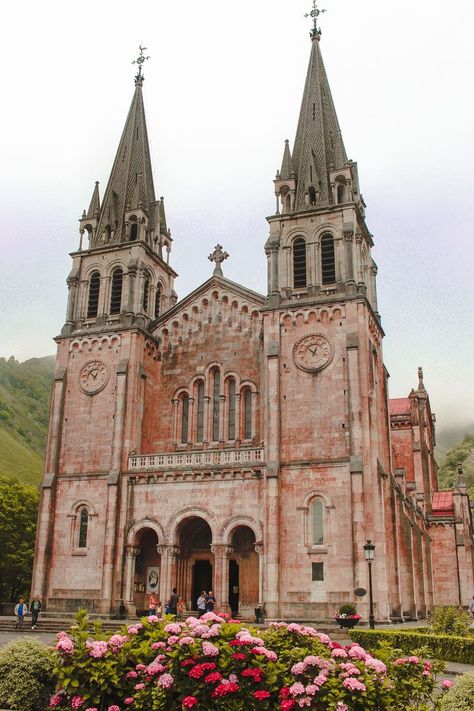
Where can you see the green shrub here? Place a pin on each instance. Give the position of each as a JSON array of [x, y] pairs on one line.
[[461, 696], [347, 609], [26, 675], [448, 647], [450, 620]]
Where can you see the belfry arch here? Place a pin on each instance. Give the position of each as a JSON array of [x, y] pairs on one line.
[[195, 570], [142, 567]]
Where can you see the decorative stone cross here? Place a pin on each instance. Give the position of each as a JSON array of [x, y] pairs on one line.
[[218, 257]]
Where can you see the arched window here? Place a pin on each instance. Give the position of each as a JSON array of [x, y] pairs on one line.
[[299, 263], [184, 419], [288, 203], [248, 414], [94, 289], [116, 292], [341, 193], [83, 524], [312, 195], [215, 405], [231, 420], [318, 522], [200, 412], [133, 231], [157, 301], [146, 291], [328, 261]]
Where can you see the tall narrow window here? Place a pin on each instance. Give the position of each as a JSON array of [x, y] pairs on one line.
[[248, 414], [200, 413], [231, 428], [341, 194], [94, 289], [83, 524], [116, 293], [299, 263], [215, 405], [328, 261], [146, 291], [318, 522], [133, 231], [157, 301], [184, 419]]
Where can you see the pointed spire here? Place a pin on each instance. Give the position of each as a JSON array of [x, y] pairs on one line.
[[319, 147], [132, 168], [94, 207], [286, 164]]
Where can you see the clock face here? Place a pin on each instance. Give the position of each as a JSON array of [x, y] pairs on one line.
[[93, 377], [312, 352]]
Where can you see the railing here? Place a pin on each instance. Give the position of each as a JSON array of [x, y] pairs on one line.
[[200, 459]]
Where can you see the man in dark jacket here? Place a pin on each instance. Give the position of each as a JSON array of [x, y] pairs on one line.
[[173, 602], [35, 609]]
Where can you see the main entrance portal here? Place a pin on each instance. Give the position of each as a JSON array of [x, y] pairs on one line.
[[195, 566]]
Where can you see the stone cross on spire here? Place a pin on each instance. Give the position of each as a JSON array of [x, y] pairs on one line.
[[140, 61], [315, 13], [218, 256]]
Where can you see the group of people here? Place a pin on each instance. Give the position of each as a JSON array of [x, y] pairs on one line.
[[176, 606], [21, 610]]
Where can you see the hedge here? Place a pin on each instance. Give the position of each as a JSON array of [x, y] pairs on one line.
[[439, 646]]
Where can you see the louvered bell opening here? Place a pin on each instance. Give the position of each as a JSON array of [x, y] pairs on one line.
[[328, 262], [299, 263], [94, 289], [116, 294]]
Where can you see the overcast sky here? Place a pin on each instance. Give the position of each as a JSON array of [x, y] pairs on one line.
[[222, 92]]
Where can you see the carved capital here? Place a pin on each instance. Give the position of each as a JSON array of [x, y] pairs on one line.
[[168, 551], [72, 281], [222, 549], [259, 547], [132, 551]]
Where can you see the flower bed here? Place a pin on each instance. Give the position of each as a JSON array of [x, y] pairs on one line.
[[217, 663], [441, 646]]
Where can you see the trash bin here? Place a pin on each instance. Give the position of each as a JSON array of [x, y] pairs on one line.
[[258, 615]]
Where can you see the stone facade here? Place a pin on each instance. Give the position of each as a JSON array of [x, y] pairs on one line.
[[232, 441]]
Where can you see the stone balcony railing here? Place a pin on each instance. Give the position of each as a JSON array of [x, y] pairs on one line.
[[199, 459]]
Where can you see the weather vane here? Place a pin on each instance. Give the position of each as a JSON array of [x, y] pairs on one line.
[[140, 60], [315, 13]]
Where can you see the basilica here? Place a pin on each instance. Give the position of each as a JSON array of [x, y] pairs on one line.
[[237, 441]]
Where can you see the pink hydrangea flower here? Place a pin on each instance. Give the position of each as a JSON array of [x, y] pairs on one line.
[[61, 634], [158, 645], [77, 701], [324, 638], [353, 684], [339, 653], [117, 641], [342, 707], [55, 700], [92, 708], [165, 681], [173, 628], [139, 687], [185, 640], [172, 639], [357, 652], [293, 627], [129, 700], [304, 701], [209, 649], [133, 629], [153, 618], [97, 649], [312, 689], [296, 689], [298, 668], [131, 675], [65, 645], [414, 660], [189, 702], [114, 707], [319, 680], [377, 665], [446, 684]]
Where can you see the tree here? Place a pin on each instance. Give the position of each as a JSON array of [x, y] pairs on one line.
[[18, 511], [461, 454]]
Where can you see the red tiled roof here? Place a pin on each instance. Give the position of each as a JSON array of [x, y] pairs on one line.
[[399, 406], [442, 503]]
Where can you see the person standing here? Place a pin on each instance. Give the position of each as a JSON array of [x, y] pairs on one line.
[[211, 602], [201, 603], [35, 607], [152, 603], [180, 608], [20, 611], [173, 602], [471, 607]]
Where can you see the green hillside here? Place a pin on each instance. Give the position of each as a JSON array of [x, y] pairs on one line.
[[24, 408]]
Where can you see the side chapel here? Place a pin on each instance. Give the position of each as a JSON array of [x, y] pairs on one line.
[[235, 441]]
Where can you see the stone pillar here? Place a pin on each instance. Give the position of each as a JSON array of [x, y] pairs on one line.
[[191, 420], [272, 489], [222, 436], [130, 557], [221, 575], [169, 554], [207, 425], [72, 283], [261, 568], [175, 420], [132, 275]]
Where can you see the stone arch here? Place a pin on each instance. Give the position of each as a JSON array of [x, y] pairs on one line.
[[142, 524], [188, 512], [243, 520]]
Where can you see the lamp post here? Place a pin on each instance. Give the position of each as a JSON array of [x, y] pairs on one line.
[[369, 552]]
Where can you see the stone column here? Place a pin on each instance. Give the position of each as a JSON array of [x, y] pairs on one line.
[[191, 416], [261, 568], [132, 275], [168, 581], [222, 435], [130, 557], [221, 575], [175, 421], [238, 433], [207, 426], [72, 283]]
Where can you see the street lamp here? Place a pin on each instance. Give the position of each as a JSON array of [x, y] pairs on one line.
[[369, 552]]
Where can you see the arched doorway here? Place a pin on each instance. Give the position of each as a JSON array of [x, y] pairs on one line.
[[195, 570], [243, 572], [147, 569]]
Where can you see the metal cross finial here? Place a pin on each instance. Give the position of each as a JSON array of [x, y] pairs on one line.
[[218, 256], [315, 13], [140, 60]]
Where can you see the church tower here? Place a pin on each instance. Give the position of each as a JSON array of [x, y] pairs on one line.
[[327, 432], [120, 282]]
